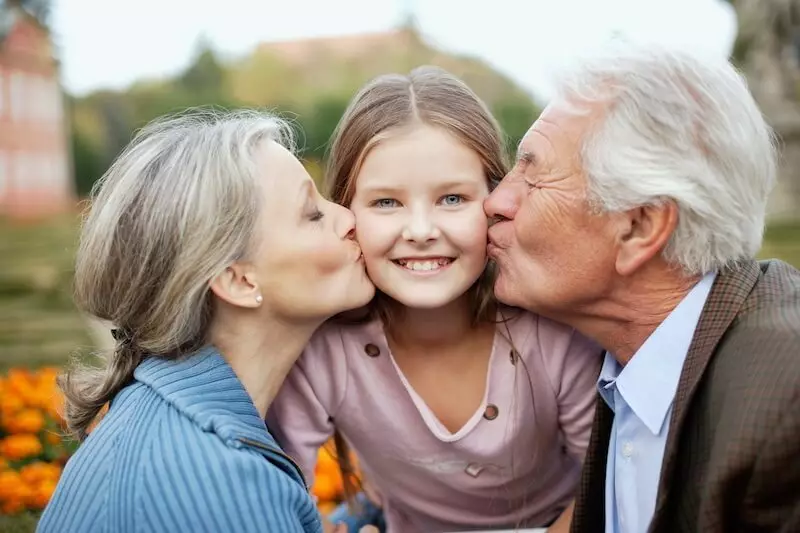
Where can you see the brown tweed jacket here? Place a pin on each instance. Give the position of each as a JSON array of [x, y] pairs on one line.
[[732, 457]]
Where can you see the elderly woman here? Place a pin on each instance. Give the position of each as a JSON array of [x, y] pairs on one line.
[[210, 249]]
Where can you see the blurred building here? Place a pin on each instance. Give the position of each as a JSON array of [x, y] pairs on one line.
[[35, 166]]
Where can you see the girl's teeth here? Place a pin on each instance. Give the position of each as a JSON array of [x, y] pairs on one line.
[[424, 265], [428, 265]]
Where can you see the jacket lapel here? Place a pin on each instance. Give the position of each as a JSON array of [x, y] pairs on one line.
[[590, 506], [731, 289]]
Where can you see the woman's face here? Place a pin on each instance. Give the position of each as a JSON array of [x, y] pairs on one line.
[[309, 266]]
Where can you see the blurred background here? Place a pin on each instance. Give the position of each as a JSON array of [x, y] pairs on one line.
[[78, 77]]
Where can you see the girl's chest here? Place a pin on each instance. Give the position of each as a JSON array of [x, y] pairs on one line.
[[389, 417]]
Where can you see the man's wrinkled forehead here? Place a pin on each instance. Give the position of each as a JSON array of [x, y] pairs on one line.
[[566, 117], [525, 152]]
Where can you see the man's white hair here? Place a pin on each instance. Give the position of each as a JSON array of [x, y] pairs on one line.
[[677, 126]]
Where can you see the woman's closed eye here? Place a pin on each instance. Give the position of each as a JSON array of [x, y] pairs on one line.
[[385, 203], [451, 199], [316, 215]]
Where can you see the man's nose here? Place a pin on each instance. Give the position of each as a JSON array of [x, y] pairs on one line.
[[502, 203]]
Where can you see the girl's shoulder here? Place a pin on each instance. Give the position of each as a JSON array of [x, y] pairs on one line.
[[337, 340], [554, 343]]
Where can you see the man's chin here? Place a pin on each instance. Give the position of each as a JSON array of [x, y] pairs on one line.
[[504, 293]]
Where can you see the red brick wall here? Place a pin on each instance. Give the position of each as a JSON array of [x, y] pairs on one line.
[[35, 167]]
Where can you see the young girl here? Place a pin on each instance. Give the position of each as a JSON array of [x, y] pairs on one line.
[[462, 413]]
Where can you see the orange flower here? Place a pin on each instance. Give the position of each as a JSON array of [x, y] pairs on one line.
[[14, 493], [325, 488], [327, 507], [25, 421], [39, 472], [20, 446], [53, 438], [10, 507], [47, 377], [3, 464], [42, 493], [328, 480], [55, 408], [21, 382], [10, 483], [10, 403]]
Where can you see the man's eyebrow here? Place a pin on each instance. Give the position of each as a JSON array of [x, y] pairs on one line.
[[525, 156]]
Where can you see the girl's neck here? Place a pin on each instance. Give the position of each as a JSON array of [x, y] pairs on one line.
[[429, 328]]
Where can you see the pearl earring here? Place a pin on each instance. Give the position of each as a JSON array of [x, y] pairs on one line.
[[259, 299]]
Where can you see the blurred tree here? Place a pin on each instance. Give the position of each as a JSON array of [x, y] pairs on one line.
[[263, 79], [40, 9], [205, 74], [318, 125], [87, 162], [515, 117], [309, 82]]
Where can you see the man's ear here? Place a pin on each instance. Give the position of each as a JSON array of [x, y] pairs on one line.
[[237, 285], [644, 233]]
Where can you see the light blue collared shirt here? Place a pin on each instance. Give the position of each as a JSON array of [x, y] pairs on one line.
[[641, 394]]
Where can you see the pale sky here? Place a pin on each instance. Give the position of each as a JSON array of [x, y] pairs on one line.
[[111, 43]]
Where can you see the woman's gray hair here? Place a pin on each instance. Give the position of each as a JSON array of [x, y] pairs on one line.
[[177, 206], [681, 127]]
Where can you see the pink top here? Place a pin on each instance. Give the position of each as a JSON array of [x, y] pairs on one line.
[[518, 468]]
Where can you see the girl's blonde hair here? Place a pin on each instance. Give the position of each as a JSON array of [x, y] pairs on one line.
[[178, 205], [428, 95]]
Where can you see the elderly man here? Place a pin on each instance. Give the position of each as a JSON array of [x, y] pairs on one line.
[[634, 213]]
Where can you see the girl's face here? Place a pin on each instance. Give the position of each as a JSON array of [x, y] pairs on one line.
[[419, 214]]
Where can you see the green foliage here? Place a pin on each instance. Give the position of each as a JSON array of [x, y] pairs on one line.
[[311, 85], [87, 162], [22, 523], [39, 324], [205, 75], [515, 117], [318, 125]]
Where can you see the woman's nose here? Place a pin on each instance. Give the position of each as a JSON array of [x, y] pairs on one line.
[[346, 222]]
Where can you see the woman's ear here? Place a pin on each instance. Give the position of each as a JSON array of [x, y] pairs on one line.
[[237, 285]]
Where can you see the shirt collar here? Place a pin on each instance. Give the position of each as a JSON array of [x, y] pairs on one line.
[[649, 381], [205, 388]]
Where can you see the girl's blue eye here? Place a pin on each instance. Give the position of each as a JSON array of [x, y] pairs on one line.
[[452, 199], [385, 203]]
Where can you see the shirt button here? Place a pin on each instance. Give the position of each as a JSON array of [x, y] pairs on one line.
[[491, 412], [627, 449], [372, 350], [473, 469]]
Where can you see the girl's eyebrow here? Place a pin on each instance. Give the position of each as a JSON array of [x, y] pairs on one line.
[[455, 184], [384, 190], [380, 189]]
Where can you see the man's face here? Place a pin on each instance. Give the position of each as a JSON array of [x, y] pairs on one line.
[[554, 255]]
